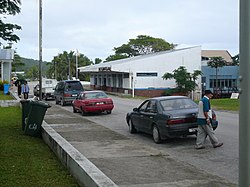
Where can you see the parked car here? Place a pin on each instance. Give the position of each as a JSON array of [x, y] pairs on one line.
[[93, 101], [166, 117], [67, 91], [48, 87]]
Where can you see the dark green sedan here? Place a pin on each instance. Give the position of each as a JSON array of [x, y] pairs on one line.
[[166, 117]]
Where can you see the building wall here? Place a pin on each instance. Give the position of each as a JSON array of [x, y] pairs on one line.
[[161, 64], [6, 58]]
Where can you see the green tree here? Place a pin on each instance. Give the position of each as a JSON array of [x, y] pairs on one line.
[[141, 45], [185, 81], [17, 62], [9, 7], [32, 73], [98, 60], [216, 62], [64, 64]]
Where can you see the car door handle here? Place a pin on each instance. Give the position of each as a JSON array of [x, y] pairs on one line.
[[151, 117]]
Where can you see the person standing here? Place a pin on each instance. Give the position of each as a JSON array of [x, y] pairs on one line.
[[204, 123], [25, 90], [19, 87]]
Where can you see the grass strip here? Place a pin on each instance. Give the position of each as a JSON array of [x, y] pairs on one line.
[[5, 97], [226, 104], [25, 160]]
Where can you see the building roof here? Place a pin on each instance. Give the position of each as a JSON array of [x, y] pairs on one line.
[[95, 67], [217, 53]]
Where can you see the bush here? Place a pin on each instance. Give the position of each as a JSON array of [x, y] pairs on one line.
[[173, 91], [2, 83]]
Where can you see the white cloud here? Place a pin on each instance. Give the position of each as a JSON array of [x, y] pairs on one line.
[[95, 27]]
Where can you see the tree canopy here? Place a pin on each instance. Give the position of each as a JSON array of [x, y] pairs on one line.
[[185, 81], [143, 44], [9, 7], [64, 64]]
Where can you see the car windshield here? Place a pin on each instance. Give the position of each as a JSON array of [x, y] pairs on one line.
[[74, 86], [95, 95], [175, 104]]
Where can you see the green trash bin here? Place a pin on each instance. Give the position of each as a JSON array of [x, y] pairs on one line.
[[35, 118], [25, 111]]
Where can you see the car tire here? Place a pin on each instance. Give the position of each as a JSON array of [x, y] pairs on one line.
[[74, 109], [131, 127], [56, 101], [62, 102], [156, 134], [108, 111], [82, 112]]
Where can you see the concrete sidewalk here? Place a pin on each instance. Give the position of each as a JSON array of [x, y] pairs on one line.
[[98, 156]]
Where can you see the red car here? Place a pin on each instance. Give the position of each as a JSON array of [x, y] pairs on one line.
[[92, 102]]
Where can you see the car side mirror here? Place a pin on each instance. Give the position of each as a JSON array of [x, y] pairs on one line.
[[135, 109]]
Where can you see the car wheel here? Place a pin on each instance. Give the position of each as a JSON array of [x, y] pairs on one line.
[[82, 112], [156, 134], [62, 102], [131, 127], [56, 101], [74, 109], [108, 111]]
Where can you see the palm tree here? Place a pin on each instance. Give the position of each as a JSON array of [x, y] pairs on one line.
[[65, 64], [216, 62]]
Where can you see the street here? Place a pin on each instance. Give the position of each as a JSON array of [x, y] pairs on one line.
[[222, 161]]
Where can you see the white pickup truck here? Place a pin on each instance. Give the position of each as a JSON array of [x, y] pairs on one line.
[[48, 86]]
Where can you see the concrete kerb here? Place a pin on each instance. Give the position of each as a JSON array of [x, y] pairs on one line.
[[14, 102], [84, 171]]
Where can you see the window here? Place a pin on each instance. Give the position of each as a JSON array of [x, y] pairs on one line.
[[221, 83], [151, 107], [147, 74]]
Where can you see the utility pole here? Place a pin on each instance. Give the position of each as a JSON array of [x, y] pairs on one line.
[[77, 54], [40, 49], [244, 78]]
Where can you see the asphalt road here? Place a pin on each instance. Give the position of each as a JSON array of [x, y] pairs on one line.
[[222, 161]]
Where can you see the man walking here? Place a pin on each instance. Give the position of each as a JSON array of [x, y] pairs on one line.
[[204, 123], [25, 90]]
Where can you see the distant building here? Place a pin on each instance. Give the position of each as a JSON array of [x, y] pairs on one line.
[[227, 76], [207, 54], [142, 75], [6, 59]]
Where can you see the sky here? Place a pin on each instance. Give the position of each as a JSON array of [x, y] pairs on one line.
[[95, 27]]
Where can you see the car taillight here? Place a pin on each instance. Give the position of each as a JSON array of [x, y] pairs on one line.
[[67, 95], [180, 121]]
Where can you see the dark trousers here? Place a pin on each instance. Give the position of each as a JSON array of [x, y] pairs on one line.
[[25, 95]]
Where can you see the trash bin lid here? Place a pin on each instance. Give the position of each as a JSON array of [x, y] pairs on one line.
[[24, 101], [40, 103]]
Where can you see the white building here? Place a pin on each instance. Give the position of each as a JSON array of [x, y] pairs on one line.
[[6, 58], [142, 75]]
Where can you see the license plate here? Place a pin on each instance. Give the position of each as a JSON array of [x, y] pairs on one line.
[[74, 95], [192, 129], [100, 103]]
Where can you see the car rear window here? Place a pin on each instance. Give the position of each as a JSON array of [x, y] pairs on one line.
[[95, 95], [176, 104], [70, 86]]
